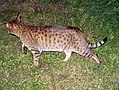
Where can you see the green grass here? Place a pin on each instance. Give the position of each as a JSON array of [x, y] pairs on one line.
[[97, 19]]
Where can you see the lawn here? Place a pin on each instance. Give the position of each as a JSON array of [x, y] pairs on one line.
[[97, 19]]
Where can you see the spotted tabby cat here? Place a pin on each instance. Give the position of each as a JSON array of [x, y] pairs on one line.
[[66, 39]]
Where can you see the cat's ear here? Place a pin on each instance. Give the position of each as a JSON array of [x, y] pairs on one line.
[[18, 18]]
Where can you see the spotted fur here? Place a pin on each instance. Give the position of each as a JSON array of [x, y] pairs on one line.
[[66, 39]]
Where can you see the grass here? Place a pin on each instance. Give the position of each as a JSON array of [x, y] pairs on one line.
[[97, 19]]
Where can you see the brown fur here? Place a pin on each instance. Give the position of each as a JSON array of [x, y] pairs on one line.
[[66, 39]]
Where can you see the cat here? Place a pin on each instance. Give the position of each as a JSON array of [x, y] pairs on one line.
[[65, 39]]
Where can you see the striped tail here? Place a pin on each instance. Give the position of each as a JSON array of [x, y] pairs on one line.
[[98, 44]]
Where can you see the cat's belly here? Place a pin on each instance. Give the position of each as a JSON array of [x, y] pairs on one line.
[[51, 49], [54, 48]]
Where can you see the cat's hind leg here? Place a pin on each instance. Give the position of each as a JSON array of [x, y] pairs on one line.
[[68, 54]]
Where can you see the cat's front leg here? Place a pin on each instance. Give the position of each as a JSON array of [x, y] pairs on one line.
[[36, 57], [24, 49]]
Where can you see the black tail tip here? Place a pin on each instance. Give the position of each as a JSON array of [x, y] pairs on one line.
[[105, 39]]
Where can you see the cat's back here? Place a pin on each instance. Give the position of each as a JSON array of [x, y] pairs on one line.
[[56, 30]]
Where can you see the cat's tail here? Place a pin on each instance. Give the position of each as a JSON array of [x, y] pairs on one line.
[[98, 44]]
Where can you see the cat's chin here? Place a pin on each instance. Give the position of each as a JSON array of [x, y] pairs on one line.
[[13, 35]]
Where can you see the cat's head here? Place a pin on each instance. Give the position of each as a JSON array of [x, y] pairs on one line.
[[13, 24]]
